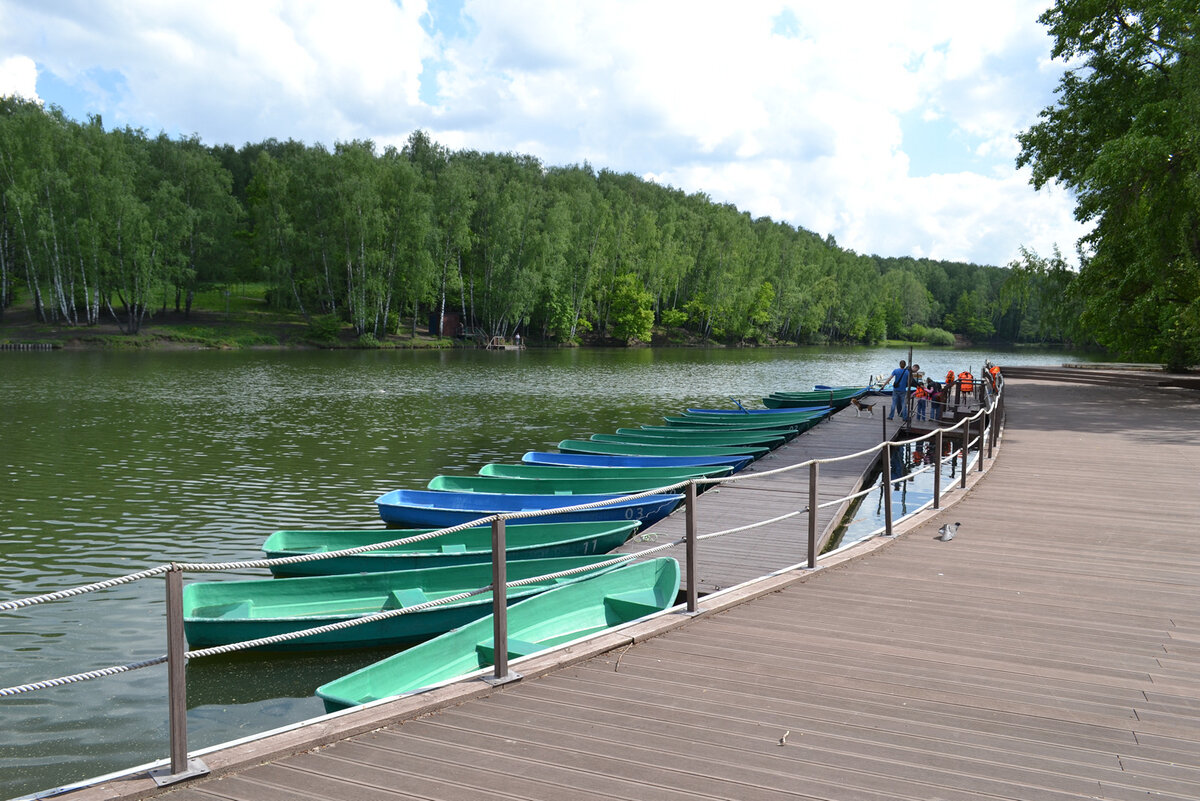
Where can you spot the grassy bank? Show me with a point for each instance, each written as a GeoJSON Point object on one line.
{"type": "Point", "coordinates": [219, 320]}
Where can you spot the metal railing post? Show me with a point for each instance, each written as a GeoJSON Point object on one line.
{"type": "Point", "coordinates": [813, 471]}
{"type": "Point", "coordinates": [500, 673]}
{"type": "Point", "coordinates": [181, 768]}
{"type": "Point", "coordinates": [886, 455]}
{"type": "Point", "coordinates": [982, 421]}
{"type": "Point", "coordinates": [690, 533]}
{"type": "Point", "coordinates": [937, 470]}
{"type": "Point", "coordinates": [176, 670]}
{"type": "Point", "coordinates": [990, 418]}
{"type": "Point", "coordinates": [966, 439]}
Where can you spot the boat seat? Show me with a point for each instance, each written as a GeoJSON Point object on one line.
{"type": "Point", "coordinates": [454, 547]}
{"type": "Point", "coordinates": [631, 605]}
{"type": "Point", "coordinates": [237, 609]}
{"type": "Point", "coordinates": [399, 599]}
{"type": "Point", "coordinates": [487, 648]}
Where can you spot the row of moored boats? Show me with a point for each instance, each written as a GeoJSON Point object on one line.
{"type": "Point", "coordinates": [454, 639]}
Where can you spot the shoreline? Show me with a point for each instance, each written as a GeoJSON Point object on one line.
{"type": "Point", "coordinates": [200, 334]}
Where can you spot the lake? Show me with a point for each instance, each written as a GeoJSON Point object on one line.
{"type": "Point", "coordinates": [117, 462]}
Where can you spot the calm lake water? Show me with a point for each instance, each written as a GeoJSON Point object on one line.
{"type": "Point", "coordinates": [116, 462]}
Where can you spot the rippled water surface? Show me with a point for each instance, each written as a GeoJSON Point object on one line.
{"type": "Point", "coordinates": [111, 463]}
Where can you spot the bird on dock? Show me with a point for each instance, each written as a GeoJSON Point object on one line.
{"type": "Point", "coordinates": [946, 532]}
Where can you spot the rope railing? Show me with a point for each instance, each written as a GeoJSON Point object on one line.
{"type": "Point", "coordinates": [177, 654]}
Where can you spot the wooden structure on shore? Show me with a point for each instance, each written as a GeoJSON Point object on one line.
{"type": "Point", "coordinates": [1050, 651]}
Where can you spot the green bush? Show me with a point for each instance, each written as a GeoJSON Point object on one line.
{"type": "Point", "coordinates": [939, 336]}
{"type": "Point", "coordinates": [325, 328]}
{"type": "Point", "coordinates": [673, 318]}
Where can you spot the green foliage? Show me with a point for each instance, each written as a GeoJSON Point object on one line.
{"type": "Point", "coordinates": [673, 318]}
{"type": "Point", "coordinates": [325, 329]}
{"type": "Point", "coordinates": [938, 337]}
{"type": "Point", "coordinates": [972, 316]}
{"type": "Point", "coordinates": [103, 223]}
{"type": "Point", "coordinates": [632, 310]}
{"type": "Point", "coordinates": [1123, 138]}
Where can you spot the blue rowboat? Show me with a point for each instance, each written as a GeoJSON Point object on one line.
{"type": "Point", "coordinates": [444, 509]}
{"type": "Point", "coordinates": [467, 546]}
{"type": "Point", "coordinates": [605, 460]}
{"type": "Point", "coordinates": [542, 622]}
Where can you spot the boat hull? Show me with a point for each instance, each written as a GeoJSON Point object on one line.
{"type": "Point", "coordinates": [223, 612]}
{"type": "Point", "coordinates": [676, 436]}
{"type": "Point", "coordinates": [547, 620]}
{"type": "Point", "coordinates": [672, 474]}
{"type": "Point", "coordinates": [471, 545]}
{"type": "Point", "coordinates": [548, 486]}
{"type": "Point", "coordinates": [623, 460]}
{"type": "Point", "coordinates": [446, 509]}
{"type": "Point", "coordinates": [642, 449]}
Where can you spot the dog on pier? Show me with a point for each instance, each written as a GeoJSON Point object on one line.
{"type": "Point", "coordinates": [860, 407]}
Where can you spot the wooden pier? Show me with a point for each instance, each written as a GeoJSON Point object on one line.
{"type": "Point", "coordinates": [1050, 651]}
{"type": "Point", "coordinates": [732, 559]}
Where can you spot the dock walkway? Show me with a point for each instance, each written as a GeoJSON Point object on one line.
{"type": "Point", "coordinates": [1050, 651]}
{"type": "Point", "coordinates": [732, 559]}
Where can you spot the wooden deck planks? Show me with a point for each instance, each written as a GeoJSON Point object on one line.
{"type": "Point", "coordinates": [1050, 651]}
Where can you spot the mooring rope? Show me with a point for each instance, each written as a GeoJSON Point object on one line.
{"type": "Point", "coordinates": [78, 677]}
{"type": "Point", "coordinates": [7, 606]}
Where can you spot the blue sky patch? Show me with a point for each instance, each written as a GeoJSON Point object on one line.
{"type": "Point", "coordinates": [936, 147]}
{"type": "Point", "coordinates": [786, 24]}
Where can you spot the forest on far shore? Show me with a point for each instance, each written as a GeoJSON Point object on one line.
{"type": "Point", "coordinates": [115, 225]}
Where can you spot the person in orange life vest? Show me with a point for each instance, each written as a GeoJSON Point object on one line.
{"type": "Point", "coordinates": [921, 396]}
{"type": "Point", "coordinates": [966, 384]}
{"type": "Point", "coordinates": [935, 398]}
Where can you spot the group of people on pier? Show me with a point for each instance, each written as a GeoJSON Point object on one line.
{"type": "Point", "coordinates": [929, 397]}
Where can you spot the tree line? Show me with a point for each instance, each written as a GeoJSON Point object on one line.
{"type": "Point", "coordinates": [115, 224]}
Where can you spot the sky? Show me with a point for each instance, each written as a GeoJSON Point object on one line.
{"type": "Point", "coordinates": [889, 125]}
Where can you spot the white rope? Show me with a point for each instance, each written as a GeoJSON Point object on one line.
{"type": "Point", "coordinates": [100, 585]}
{"type": "Point", "coordinates": [78, 677]}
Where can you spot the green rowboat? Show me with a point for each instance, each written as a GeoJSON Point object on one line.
{"type": "Point", "coordinates": [222, 612]}
{"type": "Point", "coordinates": [833, 393]}
{"type": "Point", "coordinates": [783, 417]}
{"type": "Point", "coordinates": [642, 449]}
{"type": "Point", "coordinates": [837, 398]}
{"type": "Point", "coordinates": [664, 435]}
{"type": "Point", "coordinates": [671, 431]}
{"type": "Point", "coordinates": [522, 541]}
{"type": "Point", "coordinates": [669, 474]}
{"type": "Point", "coordinates": [548, 486]}
{"type": "Point", "coordinates": [676, 421]}
{"type": "Point", "coordinates": [547, 620]}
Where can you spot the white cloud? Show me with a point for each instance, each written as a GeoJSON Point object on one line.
{"type": "Point", "coordinates": [235, 71]}
{"type": "Point", "coordinates": [794, 110]}
{"type": "Point", "coordinates": [18, 77]}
